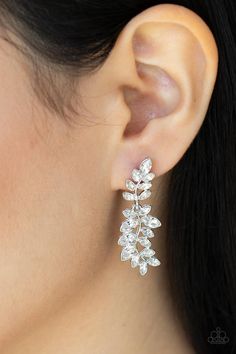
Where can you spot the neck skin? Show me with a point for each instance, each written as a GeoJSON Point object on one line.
{"type": "Point", "coordinates": [118, 312]}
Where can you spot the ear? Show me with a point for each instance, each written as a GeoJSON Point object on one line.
{"type": "Point", "coordinates": [165, 65]}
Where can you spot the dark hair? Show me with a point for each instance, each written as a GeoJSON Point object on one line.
{"type": "Point", "coordinates": [77, 36]}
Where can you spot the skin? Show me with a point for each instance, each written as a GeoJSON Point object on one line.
{"type": "Point", "coordinates": [63, 287]}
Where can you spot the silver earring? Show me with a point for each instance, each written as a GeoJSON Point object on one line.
{"type": "Point", "coordinates": [137, 228]}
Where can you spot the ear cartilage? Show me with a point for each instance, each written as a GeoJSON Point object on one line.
{"type": "Point", "coordinates": [136, 230]}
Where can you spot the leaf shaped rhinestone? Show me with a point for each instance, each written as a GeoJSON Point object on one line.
{"type": "Point", "coordinates": [129, 213]}
{"type": "Point", "coordinates": [135, 261]}
{"type": "Point", "coordinates": [149, 177]}
{"type": "Point", "coordinates": [128, 196]}
{"type": "Point", "coordinates": [143, 268]}
{"type": "Point", "coordinates": [144, 186]}
{"type": "Point", "coordinates": [147, 232]}
{"type": "Point", "coordinates": [154, 262]}
{"type": "Point", "coordinates": [145, 209]}
{"type": "Point", "coordinates": [144, 242]}
{"type": "Point", "coordinates": [146, 166]}
{"type": "Point", "coordinates": [130, 185]}
{"type": "Point", "coordinates": [144, 195]}
{"type": "Point", "coordinates": [136, 176]}
{"type": "Point", "coordinates": [147, 252]}
{"type": "Point", "coordinates": [125, 255]}
{"type": "Point", "coordinates": [123, 240]}
{"type": "Point", "coordinates": [132, 238]}
{"type": "Point", "coordinates": [151, 221]}
{"type": "Point", "coordinates": [125, 227]}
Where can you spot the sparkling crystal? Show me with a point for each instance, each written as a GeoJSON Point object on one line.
{"type": "Point", "coordinates": [147, 232]}
{"type": "Point", "coordinates": [153, 262]}
{"type": "Point", "coordinates": [125, 227]}
{"type": "Point", "coordinates": [123, 240]}
{"type": "Point", "coordinates": [125, 255]}
{"type": "Point", "coordinates": [129, 224]}
{"type": "Point", "coordinates": [128, 252]}
{"type": "Point", "coordinates": [146, 166]}
{"type": "Point", "coordinates": [154, 223]}
{"type": "Point", "coordinates": [149, 177]}
{"type": "Point", "coordinates": [143, 268]}
{"type": "Point", "coordinates": [133, 222]}
{"type": "Point", "coordinates": [145, 209]}
{"type": "Point", "coordinates": [128, 196]}
{"type": "Point", "coordinates": [131, 248]}
{"type": "Point", "coordinates": [144, 242]}
{"type": "Point", "coordinates": [130, 185]}
{"type": "Point", "coordinates": [129, 213]}
{"type": "Point", "coordinates": [136, 175]}
{"type": "Point", "coordinates": [135, 261]}
{"type": "Point", "coordinates": [151, 221]}
{"type": "Point", "coordinates": [147, 252]}
{"type": "Point", "coordinates": [132, 238]}
{"type": "Point", "coordinates": [145, 186]}
{"type": "Point", "coordinates": [144, 195]}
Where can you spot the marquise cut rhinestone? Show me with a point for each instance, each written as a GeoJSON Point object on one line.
{"type": "Point", "coordinates": [130, 185]}
{"type": "Point", "coordinates": [151, 221]}
{"type": "Point", "coordinates": [145, 209]}
{"type": "Point", "coordinates": [137, 228]}
{"type": "Point", "coordinates": [147, 232]}
{"type": "Point", "coordinates": [144, 195]}
{"type": "Point", "coordinates": [146, 166]}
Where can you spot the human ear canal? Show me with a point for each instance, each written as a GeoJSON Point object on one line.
{"type": "Point", "coordinates": [161, 98]}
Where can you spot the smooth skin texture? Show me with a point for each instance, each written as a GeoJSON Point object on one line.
{"type": "Point", "coordinates": [63, 287]}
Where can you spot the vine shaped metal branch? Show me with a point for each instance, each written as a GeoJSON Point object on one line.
{"type": "Point", "coordinates": [137, 228]}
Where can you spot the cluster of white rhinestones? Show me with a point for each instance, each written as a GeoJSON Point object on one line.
{"type": "Point", "coordinates": [137, 228]}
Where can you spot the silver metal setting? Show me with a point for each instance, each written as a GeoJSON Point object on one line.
{"type": "Point", "coordinates": [136, 230]}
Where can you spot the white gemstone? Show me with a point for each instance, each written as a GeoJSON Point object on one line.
{"type": "Point", "coordinates": [154, 223]}
{"type": "Point", "coordinates": [130, 248]}
{"type": "Point", "coordinates": [129, 224]}
{"type": "Point", "coordinates": [149, 177]}
{"type": "Point", "coordinates": [135, 261]}
{"type": "Point", "coordinates": [144, 242]}
{"type": "Point", "coordinates": [128, 196]}
{"type": "Point", "coordinates": [147, 232]}
{"type": "Point", "coordinates": [123, 240]}
{"type": "Point", "coordinates": [145, 209]}
{"type": "Point", "coordinates": [147, 252]}
{"type": "Point", "coordinates": [145, 186]}
{"type": "Point", "coordinates": [133, 222]}
{"type": "Point", "coordinates": [132, 238]}
{"type": "Point", "coordinates": [125, 255]}
{"type": "Point", "coordinates": [144, 195]}
{"type": "Point", "coordinates": [143, 268]}
{"type": "Point", "coordinates": [127, 252]}
{"type": "Point", "coordinates": [154, 262]}
{"type": "Point", "coordinates": [125, 227]}
{"type": "Point", "coordinates": [129, 213]}
{"type": "Point", "coordinates": [136, 175]}
{"type": "Point", "coordinates": [151, 221]}
{"type": "Point", "coordinates": [130, 185]}
{"type": "Point", "coordinates": [146, 166]}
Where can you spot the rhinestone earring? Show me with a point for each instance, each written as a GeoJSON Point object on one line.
{"type": "Point", "coordinates": [137, 228]}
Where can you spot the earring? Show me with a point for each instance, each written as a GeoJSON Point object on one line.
{"type": "Point", "coordinates": [137, 228]}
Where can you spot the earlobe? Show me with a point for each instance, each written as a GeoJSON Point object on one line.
{"type": "Point", "coordinates": [168, 88]}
